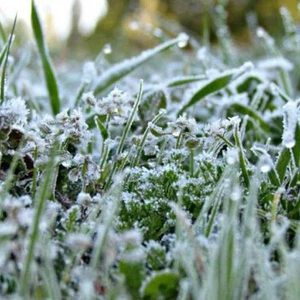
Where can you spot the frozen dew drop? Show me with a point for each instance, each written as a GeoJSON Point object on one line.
{"type": "Point", "coordinates": [289, 143]}
{"type": "Point", "coordinates": [290, 122]}
{"type": "Point", "coordinates": [236, 194]}
{"type": "Point", "coordinates": [266, 164]}
{"type": "Point", "coordinates": [107, 49]}
{"type": "Point", "coordinates": [176, 133]}
{"type": "Point", "coordinates": [183, 40]}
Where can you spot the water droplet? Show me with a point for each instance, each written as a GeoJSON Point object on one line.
{"type": "Point", "coordinates": [183, 40]}
{"type": "Point", "coordinates": [107, 49]}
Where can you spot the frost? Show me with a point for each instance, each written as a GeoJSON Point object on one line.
{"type": "Point", "coordinates": [276, 63]}
{"type": "Point", "coordinates": [116, 104]}
{"type": "Point", "coordinates": [183, 40]}
{"type": "Point", "coordinates": [89, 72]}
{"type": "Point", "coordinates": [8, 229]}
{"type": "Point", "coordinates": [13, 112]}
{"type": "Point", "coordinates": [78, 241]}
{"type": "Point", "coordinates": [290, 111]}
{"type": "Point", "coordinates": [183, 124]}
{"type": "Point", "coordinates": [232, 156]}
{"type": "Point", "coordinates": [266, 164]}
{"type": "Point", "coordinates": [89, 99]}
{"type": "Point", "coordinates": [84, 199]}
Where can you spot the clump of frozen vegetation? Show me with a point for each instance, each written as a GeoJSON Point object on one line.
{"type": "Point", "coordinates": [175, 187]}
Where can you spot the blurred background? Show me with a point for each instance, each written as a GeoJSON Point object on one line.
{"type": "Point", "coordinates": [76, 28]}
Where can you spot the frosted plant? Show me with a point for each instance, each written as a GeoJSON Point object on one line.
{"type": "Point", "coordinates": [73, 127]}
{"type": "Point", "coordinates": [117, 104]}
{"type": "Point", "coordinates": [183, 124]}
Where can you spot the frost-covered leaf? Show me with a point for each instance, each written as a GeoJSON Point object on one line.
{"type": "Point", "coordinates": [213, 85]}
{"type": "Point", "coordinates": [120, 70]}
{"type": "Point", "coordinates": [48, 68]}
{"type": "Point", "coordinates": [162, 284]}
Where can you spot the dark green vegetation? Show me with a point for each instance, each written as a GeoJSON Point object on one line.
{"type": "Point", "coordinates": [183, 185]}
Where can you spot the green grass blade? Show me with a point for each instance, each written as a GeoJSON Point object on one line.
{"type": "Point", "coordinates": [212, 86]}
{"type": "Point", "coordinates": [178, 81]}
{"type": "Point", "coordinates": [120, 70]}
{"type": "Point", "coordinates": [246, 110]}
{"type": "Point", "coordinates": [143, 141]}
{"type": "Point", "coordinates": [3, 52]}
{"type": "Point", "coordinates": [42, 196]}
{"type": "Point", "coordinates": [242, 157]}
{"type": "Point", "coordinates": [2, 34]}
{"type": "Point", "coordinates": [126, 131]}
{"type": "Point", "coordinates": [48, 68]}
{"type": "Point", "coordinates": [296, 148]}
{"type": "Point", "coordinates": [131, 118]}
{"type": "Point", "coordinates": [103, 131]}
{"type": "Point", "coordinates": [2, 85]}
{"type": "Point", "coordinates": [282, 163]}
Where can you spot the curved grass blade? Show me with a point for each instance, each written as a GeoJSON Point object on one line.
{"type": "Point", "coordinates": [2, 34]}
{"type": "Point", "coordinates": [131, 118]}
{"type": "Point", "coordinates": [143, 140]}
{"type": "Point", "coordinates": [242, 158]}
{"type": "Point", "coordinates": [212, 86]}
{"type": "Point", "coordinates": [2, 86]}
{"type": "Point", "coordinates": [44, 192]}
{"type": "Point", "coordinates": [245, 110]}
{"type": "Point", "coordinates": [102, 129]}
{"type": "Point", "coordinates": [282, 163]}
{"type": "Point", "coordinates": [120, 70]}
{"type": "Point", "coordinates": [3, 52]}
{"type": "Point", "coordinates": [177, 81]}
{"type": "Point", "coordinates": [49, 74]}
{"type": "Point", "coordinates": [126, 131]}
{"type": "Point", "coordinates": [296, 148]}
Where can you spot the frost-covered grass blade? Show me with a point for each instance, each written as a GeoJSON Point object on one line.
{"type": "Point", "coordinates": [6, 54]}
{"type": "Point", "coordinates": [118, 71]}
{"type": "Point", "coordinates": [49, 74]}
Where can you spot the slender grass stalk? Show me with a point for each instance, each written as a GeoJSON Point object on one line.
{"type": "Point", "coordinates": [42, 196]}
{"type": "Point", "coordinates": [3, 76]}
{"type": "Point", "coordinates": [242, 157]}
{"type": "Point", "coordinates": [126, 131]}
{"type": "Point", "coordinates": [143, 140]}
{"type": "Point", "coordinates": [107, 220]}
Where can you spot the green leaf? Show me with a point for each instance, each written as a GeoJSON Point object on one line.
{"type": "Point", "coordinates": [163, 285]}
{"type": "Point", "coordinates": [242, 158]}
{"type": "Point", "coordinates": [133, 273]}
{"type": "Point", "coordinates": [2, 86]}
{"type": "Point", "coordinates": [211, 86]}
{"type": "Point", "coordinates": [296, 148]}
{"type": "Point", "coordinates": [48, 68]}
{"type": "Point", "coordinates": [174, 82]}
{"type": "Point", "coordinates": [102, 129]}
{"type": "Point", "coordinates": [3, 52]}
{"type": "Point", "coordinates": [120, 70]}
{"type": "Point", "coordinates": [282, 162]}
{"type": "Point", "coordinates": [246, 110]}
{"type": "Point", "coordinates": [2, 34]}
